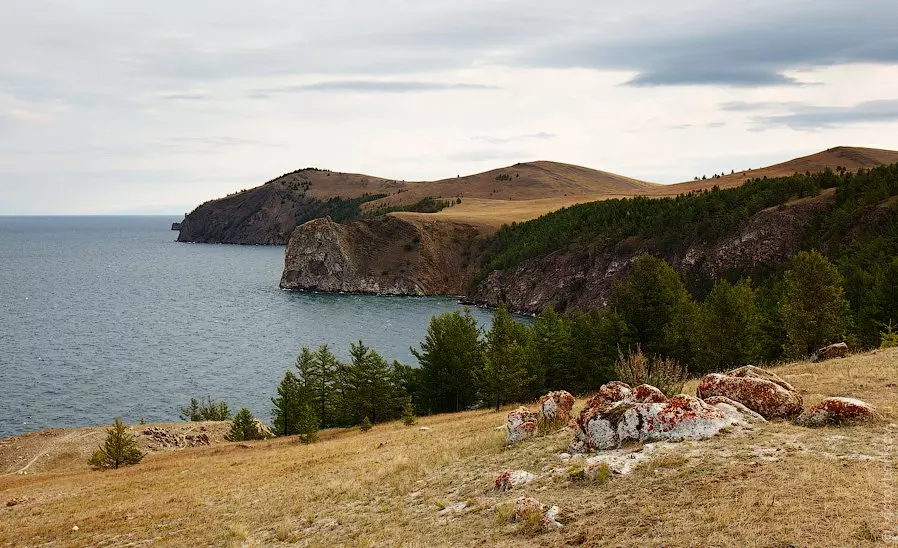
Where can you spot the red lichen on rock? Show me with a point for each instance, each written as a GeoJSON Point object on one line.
{"type": "Point", "coordinates": [837, 412]}
{"type": "Point", "coordinates": [555, 408]}
{"type": "Point", "coordinates": [759, 390]}
{"type": "Point", "coordinates": [646, 393]}
{"type": "Point", "coordinates": [520, 425]}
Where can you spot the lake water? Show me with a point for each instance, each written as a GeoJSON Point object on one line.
{"type": "Point", "coordinates": [109, 316]}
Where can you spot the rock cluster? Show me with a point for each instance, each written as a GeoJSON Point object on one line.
{"type": "Point", "coordinates": [761, 391]}
{"type": "Point", "coordinates": [527, 508]}
{"type": "Point", "coordinates": [166, 439]}
{"type": "Point", "coordinates": [506, 481]}
{"type": "Point", "coordinates": [555, 408]}
{"type": "Point", "coordinates": [615, 415]}
{"type": "Point", "coordinates": [837, 412]}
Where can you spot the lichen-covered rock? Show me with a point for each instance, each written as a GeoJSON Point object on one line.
{"type": "Point", "coordinates": [838, 350]}
{"type": "Point", "coordinates": [734, 409]}
{"type": "Point", "coordinates": [520, 425]}
{"type": "Point", "coordinates": [527, 508]}
{"type": "Point", "coordinates": [761, 391]}
{"type": "Point", "coordinates": [681, 417]}
{"type": "Point", "coordinates": [509, 480]}
{"type": "Point", "coordinates": [555, 408]}
{"type": "Point", "coordinates": [837, 412]}
{"type": "Point", "coordinates": [646, 393]}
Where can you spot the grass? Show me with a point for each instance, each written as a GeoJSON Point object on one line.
{"type": "Point", "coordinates": [776, 485]}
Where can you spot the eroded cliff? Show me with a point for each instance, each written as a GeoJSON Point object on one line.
{"type": "Point", "coordinates": [385, 255]}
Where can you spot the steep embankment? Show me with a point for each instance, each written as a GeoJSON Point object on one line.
{"type": "Point", "coordinates": [433, 484]}
{"type": "Point", "coordinates": [385, 255]}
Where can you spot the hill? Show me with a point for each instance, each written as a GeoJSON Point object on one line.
{"type": "Point", "coordinates": [268, 213]}
{"type": "Point", "coordinates": [433, 484]}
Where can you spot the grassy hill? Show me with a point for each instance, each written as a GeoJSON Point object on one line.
{"type": "Point", "coordinates": [779, 484]}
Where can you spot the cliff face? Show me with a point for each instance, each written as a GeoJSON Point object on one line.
{"type": "Point", "coordinates": [265, 215]}
{"type": "Point", "coordinates": [386, 255]}
{"type": "Point", "coordinates": [585, 279]}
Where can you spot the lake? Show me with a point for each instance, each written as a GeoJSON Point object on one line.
{"type": "Point", "coordinates": [109, 316]}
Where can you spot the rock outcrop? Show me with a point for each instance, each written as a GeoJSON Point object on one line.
{"type": "Point", "coordinates": [613, 416]}
{"type": "Point", "coordinates": [838, 350]}
{"type": "Point", "coordinates": [386, 255]}
{"type": "Point", "coordinates": [162, 438]}
{"type": "Point", "coordinates": [761, 391]}
{"type": "Point", "coordinates": [520, 424]}
{"type": "Point", "coordinates": [837, 412]}
{"type": "Point", "coordinates": [528, 509]}
{"type": "Point", "coordinates": [506, 481]}
{"type": "Point", "coordinates": [555, 408]}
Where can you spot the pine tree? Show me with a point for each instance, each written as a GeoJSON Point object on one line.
{"type": "Point", "coordinates": [119, 449]}
{"type": "Point", "coordinates": [449, 358]}
{"type": "Point", "coordinates": [814, 309]}
{"type": "Point", "coordinates": [730, 327]}
{"type": "Point", "coordinates": [318, 375]}
{"type": "Point", "coordinates": [656, 309]}
{"type": "Point", "coordinates": [365, 425]}
{"type": "Point", "coordinates": [243, 427]}
{"type": "Point", "coordinates": [408, 413]}
{"type": "Point", "coordinates": [205, 411]}
{"type": "Point", "coordinates": [505, 374]}
{"type": "Point", "coordinates": [551, 353]}
{"type": "Point", "coordinates": [369, 384]}
{"type": "Point", "coordinates": [291, 407]}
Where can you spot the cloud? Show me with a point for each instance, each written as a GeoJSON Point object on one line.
{"type": "Point", "coordinates": [482, 155]}
{"type": "Point", "coordinates": [184, 96]}
{"type": "Point", "coordinates": [812, 117]}
{"type": "Point", "coordinates": [539, 136]}
{"type": "Point", "coordinates": [369, 86]}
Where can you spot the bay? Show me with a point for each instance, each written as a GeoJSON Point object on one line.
{"type": "Point", "coordinates": [109, 316]}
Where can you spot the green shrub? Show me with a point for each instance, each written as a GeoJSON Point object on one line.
{"type": "Point", "coordinates": [408, 413]}
{"type": "Point", "coordinates": [244, 427]}
{"type": "Point", "coordinates": [637, 368]}
{"type": "Point", "coordinates": [119, 449]}
{"type": "Point", "coordinates": [888, 338]}
{"type": "Point", "coordinates": [205, 410]}
{"type": "Point", "coordinates": [366, 425]}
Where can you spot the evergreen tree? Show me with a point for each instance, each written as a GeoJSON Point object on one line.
{"type": "Point", "coordinates": [595, 336]}
{"type": "Point", "coordinates": [449, 358]}
{"type": "Point", "coordinates": [205, 411]}
{"type": "Point", "coordinates": [551, 353]}
{"type": "Point", "coordinates": [369, 384]}
{"type": "Point", "coordinates": [505, 375]}
{"type": "Point", "coordinates": [291, 407]}
{"type": "Point", "coordinates": [408, 413]}
{"type": "Point", "coordinates": [730, 327]}
{"type": "Point", "coordinates": [365, 425]}
{"type": "Point", "coordinates": [813, 308]}
{"type": "Point", "coordinates": [243, 427]}
{"type": "Point", "coordinates": [119, 449]}
{"type": "Point", "coordinates": [318, 375]}
{"type": "Point", "coordinates": [656, 309]}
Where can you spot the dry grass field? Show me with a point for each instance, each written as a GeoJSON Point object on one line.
{"type": "Point", "coordinates": [776, 485]}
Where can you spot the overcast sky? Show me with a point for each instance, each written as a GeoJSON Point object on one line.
{"type": "Point", "coordinates": [153, 107]}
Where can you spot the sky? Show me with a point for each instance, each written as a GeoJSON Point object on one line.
{"type": "Point", "coordinates": [125, 107]}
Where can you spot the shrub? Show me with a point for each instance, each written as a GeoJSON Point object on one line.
{"type": "Point", "coordinates": [205, 411]}
{"type": "Point", "coordinates": [119, 449]}
{"type": "Point", "coordinates": [244, 427]}
{"type": "Point", "coordinates": [664, 374]}
{"type": "Point", "coordinates": [888, 338]}
{"type": "Point", "coordinates": [366, 425]}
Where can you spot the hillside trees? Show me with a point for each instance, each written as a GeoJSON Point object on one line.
{"type": "Point", "coordinates": [370, 386]}
{"type": "Point", "coordinates": [449, 358]}
{"type": "Point", "coordinates": [119, 449]}
{"type": "Point", "coordinates": [729, 328]}
{"type": "Point", "coordinates": [505, 375]}
{"type": "Point", "coordinates": [814, 309]}
{"type": "Point", "coordinates": [293, 413]}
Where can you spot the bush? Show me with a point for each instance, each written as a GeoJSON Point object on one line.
{"type": "Point", "coordinates": [664, 374]}
{"type": "Point", "coordinates": [888, 338]}
{"type": "Point", "coordinates": [118, 450]}
{"type": "Point", "coordinates": [408, 413]}
{"type": "Point", "coordinates": [366, 425]}
{"type": "Point", "coordinates": [244, 427]}
{"type": "Point", "coordinates": [205, 411]}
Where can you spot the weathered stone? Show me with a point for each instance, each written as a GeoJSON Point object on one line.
{"type": "Point", "coordinates": [510, 480]}
{"type": "Point", "coordinates": [837, 412]}
{"type": "Point", "coordinates": [20, 500]}
{"type": "Point", "coordinates": [527, 507]}
{"type": "Point", "coordinates": [646, 393]}
{"type": "Point", "coordinates": [555, 408]}
{"type": "Point", "coordinates": [838, 350]}
{"type": "Point", "coordinates": [681, 417]}
{"type": "Point", "coordinates": [264, 429]}
{"type": "Point", "coordinates": [761, 391]}
{"type": "Point", "coordinates": [520, 425]}
{"type": "Point", "coordinates": [734, 409]}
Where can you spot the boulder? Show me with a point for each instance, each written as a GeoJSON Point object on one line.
{"type": "Point", "coordinates": [520, 425]}
{"type": "Point", "coordinates": [263, 429]}
{"type": "Point", "coordinates": [734, 409]}
{"type": "Point", "coordinates": [509, 480]}
{"type": "Point", "coordinates": [761, 391]}
{"type": "Point", "coordinates": [838, 350]}
{"type": "Point", "coordinates": [679, 418]}
{"type": "Point", "coordinates": [646, 393]}
{"type": "Point", "coordinates": [527, 508]}
{"type": "Point", "coordinates": [555, 408]}
{"type": "Point", "coordinates": [837, 412]}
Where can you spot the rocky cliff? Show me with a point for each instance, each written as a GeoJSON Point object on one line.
{"type": "Point", "coordinates": [385, 255]}
{"type": "Point", "coordinates": [583, 280]}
